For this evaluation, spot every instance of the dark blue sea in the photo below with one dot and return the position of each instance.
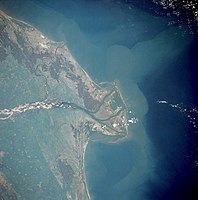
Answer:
(154, 58)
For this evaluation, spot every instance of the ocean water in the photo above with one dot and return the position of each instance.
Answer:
(150, 58)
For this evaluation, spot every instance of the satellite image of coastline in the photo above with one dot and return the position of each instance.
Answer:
(88, 108)
(98, 100)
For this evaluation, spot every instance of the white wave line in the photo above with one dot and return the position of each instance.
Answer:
(162, 102)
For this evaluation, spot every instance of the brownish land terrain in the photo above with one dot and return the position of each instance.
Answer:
(73, 105)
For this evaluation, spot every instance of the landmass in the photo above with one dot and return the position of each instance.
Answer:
(75, 107)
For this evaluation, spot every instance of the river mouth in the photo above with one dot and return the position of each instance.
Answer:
(139, 49)
(62, 133)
